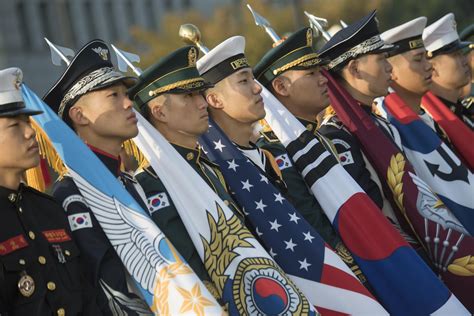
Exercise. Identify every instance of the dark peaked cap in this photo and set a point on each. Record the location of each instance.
(359, 38)
(91, 69)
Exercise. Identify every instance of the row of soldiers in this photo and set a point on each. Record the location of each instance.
(54, 256)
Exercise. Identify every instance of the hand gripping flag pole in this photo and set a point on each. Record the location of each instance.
(380, 251)
(247, 279)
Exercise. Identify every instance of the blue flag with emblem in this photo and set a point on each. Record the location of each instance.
(287, 236)
(167, 283)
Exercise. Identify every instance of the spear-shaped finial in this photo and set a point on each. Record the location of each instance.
(343, 24)
(191, 35)
(261, 21)
(126, 59)
(318, 24)
(59, 53)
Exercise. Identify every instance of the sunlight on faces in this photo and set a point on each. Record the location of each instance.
(369, 74)
(106, 112)
(306, 90)
(184, 113)
(412, 71)
(451, 71)
(238, 95)
(18, 144)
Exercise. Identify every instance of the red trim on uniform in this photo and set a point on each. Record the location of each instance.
(56, 235)
(100, 151)
(13, 244)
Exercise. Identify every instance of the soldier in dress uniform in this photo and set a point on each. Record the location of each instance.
(292, 72)
(359, 64)
(39, 260)
(91, 97)
(451, 71)
(169, 94)
(411, 70)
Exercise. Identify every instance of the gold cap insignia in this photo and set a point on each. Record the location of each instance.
(102, 52)
(26, 285)
(192, 56)
(454, 25)
(309, 37)
(18, 79)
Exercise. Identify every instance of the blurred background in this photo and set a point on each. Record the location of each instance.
(149, 28)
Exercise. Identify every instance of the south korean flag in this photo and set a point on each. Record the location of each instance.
(157, 202)
(283, 161)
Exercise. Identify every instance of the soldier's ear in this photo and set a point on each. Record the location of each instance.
(281, 86)
(157, 110)
(353, 68)
(214, 100)
(76, 113)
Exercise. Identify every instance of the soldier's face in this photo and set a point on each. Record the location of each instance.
(108, 113)
(185, 114)
(412, 71)
(375, 74)
(18, 144)
(307, 90)
(241, 98)
(451, 71)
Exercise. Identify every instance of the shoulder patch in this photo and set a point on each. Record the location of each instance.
(157, 202)
(343, 143)
(346, 158)
(72, 199)
(283, 161)
(79, 221)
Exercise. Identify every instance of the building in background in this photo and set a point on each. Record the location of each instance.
(72, 23)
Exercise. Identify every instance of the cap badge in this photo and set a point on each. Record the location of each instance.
(102, 52)
(17, 81)
(309, 37)
(454, 25)
(192, 56)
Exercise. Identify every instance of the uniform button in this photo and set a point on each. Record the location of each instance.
(31, 234)
(20, 210)
(226, 202)
(61, 312)
(22, 262)
(190, 156)
(12, 197)
(67, 252)
(309, 127)
(42, 260)
(51, 286)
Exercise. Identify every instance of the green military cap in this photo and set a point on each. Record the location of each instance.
(295, 53)
(174, 73)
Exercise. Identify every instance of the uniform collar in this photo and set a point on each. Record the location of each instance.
(11, 195)
(110, 161)
(311, 126)
(192, 155)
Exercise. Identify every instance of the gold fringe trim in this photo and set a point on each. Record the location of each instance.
(188, 84)
(35, 178)
(132, 150)
(47, 150)
(296, 62)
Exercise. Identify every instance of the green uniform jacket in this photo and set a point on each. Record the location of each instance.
(301, 197)
(164, 213)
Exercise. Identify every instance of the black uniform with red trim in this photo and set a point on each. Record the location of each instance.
(101, 265)
(39, 260)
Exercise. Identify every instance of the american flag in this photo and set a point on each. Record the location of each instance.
(291, 241)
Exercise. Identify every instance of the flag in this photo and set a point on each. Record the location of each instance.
(167, 283)
(401, 280)
(446, 231)
(247, 279)
(459, 134)
(294, 244)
